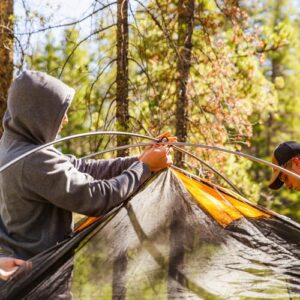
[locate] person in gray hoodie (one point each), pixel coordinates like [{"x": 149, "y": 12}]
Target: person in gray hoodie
[{"x": 39, "y": 193}]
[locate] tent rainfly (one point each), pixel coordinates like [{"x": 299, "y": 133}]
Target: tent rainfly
[{"x": 179, "y": 237}]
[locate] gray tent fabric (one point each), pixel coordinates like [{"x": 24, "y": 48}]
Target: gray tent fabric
[{"x": 161, "y": 244}]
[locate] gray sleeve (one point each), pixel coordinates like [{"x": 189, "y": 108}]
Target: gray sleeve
[
  {"x": 54, "y": 178},
  {"x": 102, "y": 168}
]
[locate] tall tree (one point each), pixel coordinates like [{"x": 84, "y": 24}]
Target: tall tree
[
  {"x": 6, "y": 52},
  {"x": 122, "y": 103},
  {"x": 122, "y": 115},
  {"x": 276, "y": 71},
  {"x": 185, "y": 32}
]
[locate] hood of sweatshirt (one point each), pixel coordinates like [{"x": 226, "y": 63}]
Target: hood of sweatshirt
[{"x": 36, "y": 105}]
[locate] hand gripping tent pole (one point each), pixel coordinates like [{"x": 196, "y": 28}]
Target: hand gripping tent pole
[
  {"x": 231, "y": 184},
  {"x": 178, "y": 144}
]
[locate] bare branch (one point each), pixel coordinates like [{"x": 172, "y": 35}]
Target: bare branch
[
  {"x": 80, "y": 42},
  {"x": 68, "y": 24}
]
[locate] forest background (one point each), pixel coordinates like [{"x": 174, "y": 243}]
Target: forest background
[{"x": 217, "y": 72}]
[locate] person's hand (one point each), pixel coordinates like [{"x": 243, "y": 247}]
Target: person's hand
[
  {"x": 157, "y": 157},
  {"x": 169, "y": 138},
  {"x": 10, "y": 265}
]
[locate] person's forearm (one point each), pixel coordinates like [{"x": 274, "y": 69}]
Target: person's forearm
[{"x": 103, "y": 169}]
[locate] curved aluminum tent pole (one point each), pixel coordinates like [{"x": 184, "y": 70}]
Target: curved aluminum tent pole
[
  {"x": 70, "y": 137},
  {"x": 231, "y": 184},
  {"x": 211, "y": 168},
  {"x": 118, "y": 148},
  {"x": 248, "y": 156}
]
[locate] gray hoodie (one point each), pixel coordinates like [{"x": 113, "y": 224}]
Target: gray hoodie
[{"x": 39, "y": 193}]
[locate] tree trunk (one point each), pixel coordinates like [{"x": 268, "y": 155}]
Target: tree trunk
[
  {"x": 185, "y": 32},
  {"x": 6, "y": 53},
  {"x": 122, "y": 113},
  {"x": 276, "y": 69}
]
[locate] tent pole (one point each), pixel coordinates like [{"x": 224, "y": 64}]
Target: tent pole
[
  {"x": 179, "y": 144},
  {"x": 229, "y": 182}
]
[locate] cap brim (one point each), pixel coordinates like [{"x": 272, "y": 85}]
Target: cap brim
[{"x": 275, "y": 182}]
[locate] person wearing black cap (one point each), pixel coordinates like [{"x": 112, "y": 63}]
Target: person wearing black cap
[{"x": 286, "y": 155}]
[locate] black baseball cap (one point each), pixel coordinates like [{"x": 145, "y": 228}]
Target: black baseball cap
[{"x": 282, "y": 154}]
